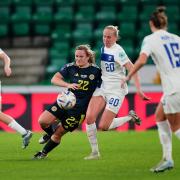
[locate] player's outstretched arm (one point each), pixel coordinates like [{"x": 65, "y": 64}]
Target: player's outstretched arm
[
  {"x": 58, "y": 80},
  {"x": 130, "y": 67}
]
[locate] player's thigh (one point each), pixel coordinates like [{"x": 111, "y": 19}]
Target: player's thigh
[
  {"x": 106, "y": 119},
  {"x": 171, "y": 106},
  {"x": 114, "y": 102},
  {"x": 96, "y": 105},
  {"x": 174, "y": 120},
  {"x": 113, "y": 105},
  {"x": 171, "y": 103},
  {"x": 46, "y": 118},
  {"x": 159, "y": 114}
]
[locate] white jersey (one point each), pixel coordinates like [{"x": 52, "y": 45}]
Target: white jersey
[
  {"x": 1, "y": 51},
  {"x": 164, "y": 48},
  {"x": 112, "y": 61}
]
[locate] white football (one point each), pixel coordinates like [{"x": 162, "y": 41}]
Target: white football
[{"x": 66, "y": 100}]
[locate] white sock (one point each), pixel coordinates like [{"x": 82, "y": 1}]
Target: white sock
[
  {"x": 119, "y": 121},
  {"x": 177, "y": 133},
  {"x": 165, "y": 136},
  {"x": 91, "y": 131},
  {"x": 17, "y": 127}
]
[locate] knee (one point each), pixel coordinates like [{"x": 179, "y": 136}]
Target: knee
[
  {"x": 175, "y": 125},
  {"x": 159, "y": 117},
  {"x": 102, "y": 127},
  {"x": 56, "y": 138},
  {"x": 43, "y": 123},
  {"x": 90, "y": 119}
]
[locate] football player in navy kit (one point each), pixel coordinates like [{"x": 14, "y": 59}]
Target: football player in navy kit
[{"x": 84, "y": 76}]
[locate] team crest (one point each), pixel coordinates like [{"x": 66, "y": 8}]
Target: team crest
[
  {"x": 76, "y": 75},
  {"x": 91, "y": 76},
  {"x": 54, "y": 108}
]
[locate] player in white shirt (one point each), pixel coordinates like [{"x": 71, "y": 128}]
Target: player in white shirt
[
  {"x": 109, "y": 97},
  {"x": 164, "y": 48},
  {"x": 26, "y": 134}
]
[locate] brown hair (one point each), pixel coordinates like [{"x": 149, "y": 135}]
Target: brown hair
[
  {"x": 114, "y": 28},
  {"x": 159, "y": 18},
  {"x": 90, "y": 53}
]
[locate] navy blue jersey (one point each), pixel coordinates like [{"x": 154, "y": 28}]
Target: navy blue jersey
[{"x": 88, "y": 79}]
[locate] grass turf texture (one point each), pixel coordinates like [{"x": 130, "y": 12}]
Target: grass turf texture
[{"x": 127, "y": 155}]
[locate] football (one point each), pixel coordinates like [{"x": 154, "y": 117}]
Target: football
[{"x": 66, "y": 100}]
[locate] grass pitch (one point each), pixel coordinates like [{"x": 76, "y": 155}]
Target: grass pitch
[{"x": 125, "y": 156}]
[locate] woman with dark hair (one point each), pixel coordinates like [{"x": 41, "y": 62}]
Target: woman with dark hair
[{"x": 164, "y": 48}]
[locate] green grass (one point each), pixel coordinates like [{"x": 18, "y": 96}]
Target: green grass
[{"x": 125, "y": 156}]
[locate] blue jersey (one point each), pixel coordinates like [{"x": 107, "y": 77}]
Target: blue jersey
[{"x": 88, "y": 78}]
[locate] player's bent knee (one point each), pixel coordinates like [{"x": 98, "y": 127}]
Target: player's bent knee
[
  {"x": 102, "y": 127},
  {"x": 56, "y": 138},
  {"x": 43, "y": 123},
  {"x": 90, "y": 120}
]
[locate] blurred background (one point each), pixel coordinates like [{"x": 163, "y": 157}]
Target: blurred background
[{"x": 40, "y": 36}]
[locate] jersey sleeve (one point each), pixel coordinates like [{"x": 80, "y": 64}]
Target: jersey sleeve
[
  {"x": 121, "y": 57},
  {"x": 145, "y": 47},
  {"x": 99, "y": 80},
  {"x": 64, "y": 71}
]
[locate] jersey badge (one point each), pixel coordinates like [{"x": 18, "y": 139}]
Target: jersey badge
[
  {"x": 54, "y": 108},
  {"x": 91, "y": 76}
]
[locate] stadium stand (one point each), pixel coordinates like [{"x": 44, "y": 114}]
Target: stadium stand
[
  {"x": 59, "y": 25},
  {"x": 27, "y": 66}
]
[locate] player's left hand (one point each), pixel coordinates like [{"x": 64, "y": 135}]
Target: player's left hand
[
  {"x": 7, "y": 70},
  {"x": 143, "y": 96}
]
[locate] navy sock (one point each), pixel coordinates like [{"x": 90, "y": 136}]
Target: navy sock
[
  {"x": 49, "y": 130},
  {"x": 49, "y": 146}
]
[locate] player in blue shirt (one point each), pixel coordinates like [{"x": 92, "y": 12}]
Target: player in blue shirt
[{"x": 84, "y": 76}]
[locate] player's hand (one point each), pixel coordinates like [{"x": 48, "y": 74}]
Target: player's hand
[
  {"x": 124, "y": 81},
  {"x": 73, "y": 86},
  {"x": 7, "y": 70},
  {"x": 143, "y": 96}
]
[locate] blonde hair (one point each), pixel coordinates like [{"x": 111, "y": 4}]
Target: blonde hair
[
  {"x": 159, "y": 18},
  {"x": 113, "y": 28},
  {"x": 90, "y": 53}
]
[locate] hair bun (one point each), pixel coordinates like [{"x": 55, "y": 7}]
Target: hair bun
[{"x": 161, "y": 9}]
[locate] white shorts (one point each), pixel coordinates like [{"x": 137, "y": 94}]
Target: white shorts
[
  {"x": 171, "y": 103},
  {"x": 113, "y": 101}
]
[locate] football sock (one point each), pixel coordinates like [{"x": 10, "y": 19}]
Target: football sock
[
  {"x": 165, "y": 136},
  {"x": 49, "y": 146},
  {"x": 17, "y": 127},
  {"x": 49, "y": 130},
  {"x": 91, "y": 131},
  {"x": 177, "y": 133},
  {"x": 119, "y": 122}
]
